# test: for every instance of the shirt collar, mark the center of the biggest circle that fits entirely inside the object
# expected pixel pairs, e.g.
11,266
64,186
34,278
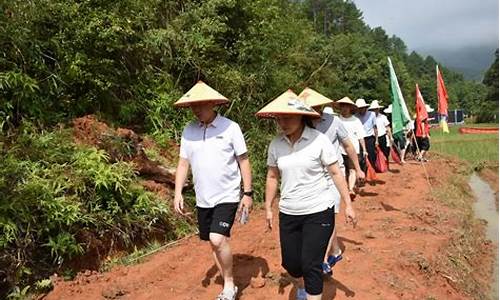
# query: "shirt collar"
214,123
307,134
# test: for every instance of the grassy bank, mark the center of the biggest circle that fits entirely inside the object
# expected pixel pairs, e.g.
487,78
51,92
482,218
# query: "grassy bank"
467,260
477,149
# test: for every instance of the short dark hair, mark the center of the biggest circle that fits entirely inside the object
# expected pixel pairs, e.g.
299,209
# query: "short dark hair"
307,121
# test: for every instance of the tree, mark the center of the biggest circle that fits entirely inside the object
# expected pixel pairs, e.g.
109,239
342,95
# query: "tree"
491,80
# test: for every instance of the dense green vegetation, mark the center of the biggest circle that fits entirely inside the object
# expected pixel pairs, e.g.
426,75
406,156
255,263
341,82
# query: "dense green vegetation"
127,62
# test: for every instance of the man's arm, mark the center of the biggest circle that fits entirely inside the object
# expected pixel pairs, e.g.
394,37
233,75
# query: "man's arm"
246,175
180,180
351,153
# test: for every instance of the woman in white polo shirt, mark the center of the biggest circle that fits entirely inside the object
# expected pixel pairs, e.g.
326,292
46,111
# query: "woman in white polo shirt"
383,128
298,157
356,134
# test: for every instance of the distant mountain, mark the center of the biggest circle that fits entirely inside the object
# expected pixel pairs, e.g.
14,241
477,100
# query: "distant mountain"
472,61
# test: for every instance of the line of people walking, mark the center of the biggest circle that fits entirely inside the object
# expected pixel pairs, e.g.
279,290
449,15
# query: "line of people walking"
314,166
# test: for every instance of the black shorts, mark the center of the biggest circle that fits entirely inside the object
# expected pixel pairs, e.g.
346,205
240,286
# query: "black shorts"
400,141
423,143
218,219
304,239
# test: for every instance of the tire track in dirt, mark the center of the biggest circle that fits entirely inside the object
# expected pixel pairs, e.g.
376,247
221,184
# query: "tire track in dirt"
388,256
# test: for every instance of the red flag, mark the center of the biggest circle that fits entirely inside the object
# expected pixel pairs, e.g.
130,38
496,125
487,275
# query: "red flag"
422,115
442,94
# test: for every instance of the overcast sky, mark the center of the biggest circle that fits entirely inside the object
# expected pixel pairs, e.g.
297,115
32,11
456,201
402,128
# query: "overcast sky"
435,24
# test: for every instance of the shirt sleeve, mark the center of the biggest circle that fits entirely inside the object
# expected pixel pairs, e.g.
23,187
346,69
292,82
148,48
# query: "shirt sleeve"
328,154
342,133
183,153
238,141
361,133
272,160
386,121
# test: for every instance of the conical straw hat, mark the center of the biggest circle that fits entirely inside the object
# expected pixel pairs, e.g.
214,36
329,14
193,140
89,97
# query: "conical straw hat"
313,98
345,100
201,93
287,103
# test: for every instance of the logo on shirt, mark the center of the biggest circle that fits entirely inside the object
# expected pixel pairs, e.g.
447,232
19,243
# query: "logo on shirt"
325,224
223,224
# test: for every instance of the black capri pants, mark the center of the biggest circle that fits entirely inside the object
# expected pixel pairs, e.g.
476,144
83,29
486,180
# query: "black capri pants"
370,148
304,239
382,143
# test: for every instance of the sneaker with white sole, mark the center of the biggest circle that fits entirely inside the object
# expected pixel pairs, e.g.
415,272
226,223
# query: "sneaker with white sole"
231,295
301,294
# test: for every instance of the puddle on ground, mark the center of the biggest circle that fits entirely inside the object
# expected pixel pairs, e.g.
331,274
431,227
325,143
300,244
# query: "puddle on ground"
485,208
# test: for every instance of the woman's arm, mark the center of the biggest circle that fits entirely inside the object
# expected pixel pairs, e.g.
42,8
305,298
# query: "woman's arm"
272,179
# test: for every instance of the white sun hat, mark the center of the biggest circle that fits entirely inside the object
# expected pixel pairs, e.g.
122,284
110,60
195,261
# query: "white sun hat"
361,103
375,105
388,110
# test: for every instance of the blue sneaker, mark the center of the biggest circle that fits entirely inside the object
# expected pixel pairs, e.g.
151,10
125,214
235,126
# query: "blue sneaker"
301,294
332,260
327,270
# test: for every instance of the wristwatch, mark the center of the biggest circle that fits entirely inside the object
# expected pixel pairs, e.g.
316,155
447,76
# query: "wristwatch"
248,193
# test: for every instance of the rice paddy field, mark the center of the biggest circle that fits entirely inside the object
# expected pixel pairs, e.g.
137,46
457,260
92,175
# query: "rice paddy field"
478,149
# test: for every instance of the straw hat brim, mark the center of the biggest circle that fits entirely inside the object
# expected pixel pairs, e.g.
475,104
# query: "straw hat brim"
287,103
273,115
197,102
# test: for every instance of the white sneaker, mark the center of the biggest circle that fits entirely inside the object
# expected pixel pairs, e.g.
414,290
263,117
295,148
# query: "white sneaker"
224,295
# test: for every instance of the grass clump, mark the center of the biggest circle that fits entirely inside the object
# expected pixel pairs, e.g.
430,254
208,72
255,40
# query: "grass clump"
60,201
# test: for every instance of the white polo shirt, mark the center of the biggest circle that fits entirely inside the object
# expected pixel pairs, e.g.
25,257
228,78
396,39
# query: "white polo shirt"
354,129
304,187
212,152
382,123
369,122
332,127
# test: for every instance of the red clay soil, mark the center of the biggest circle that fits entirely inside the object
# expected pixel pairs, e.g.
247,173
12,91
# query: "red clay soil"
389,255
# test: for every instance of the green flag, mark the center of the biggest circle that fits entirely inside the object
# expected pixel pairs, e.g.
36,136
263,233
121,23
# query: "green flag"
400,115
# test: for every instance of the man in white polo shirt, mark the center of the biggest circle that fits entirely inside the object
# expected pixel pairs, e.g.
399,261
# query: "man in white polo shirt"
215,149
368,119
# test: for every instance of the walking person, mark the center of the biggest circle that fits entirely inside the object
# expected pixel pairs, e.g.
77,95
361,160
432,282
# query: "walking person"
422,132
368,120
356,135
214,147
330,125
383,129
297,158
400,141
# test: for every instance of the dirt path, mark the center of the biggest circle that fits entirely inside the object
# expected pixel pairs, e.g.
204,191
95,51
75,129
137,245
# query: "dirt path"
388,256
